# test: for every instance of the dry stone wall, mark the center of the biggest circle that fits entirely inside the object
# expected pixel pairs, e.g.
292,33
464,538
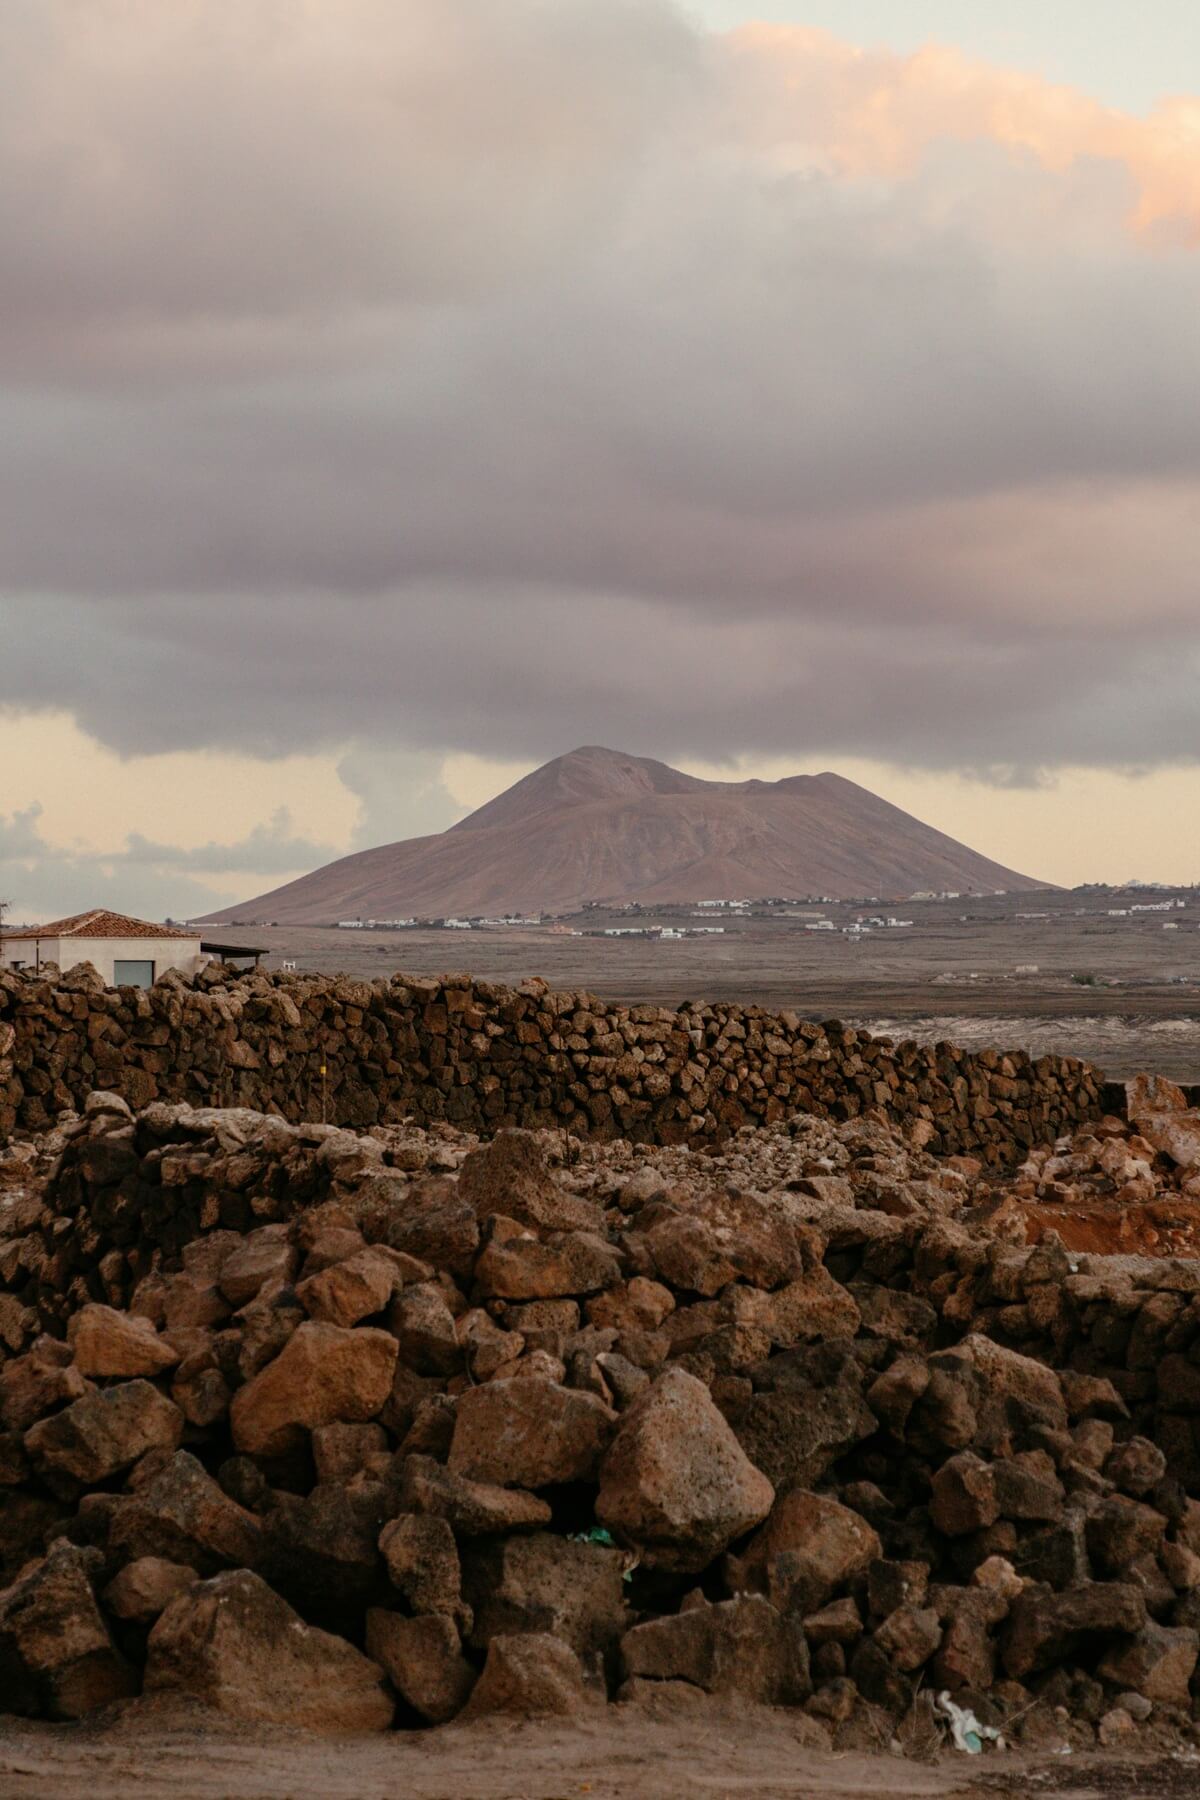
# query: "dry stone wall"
482,1056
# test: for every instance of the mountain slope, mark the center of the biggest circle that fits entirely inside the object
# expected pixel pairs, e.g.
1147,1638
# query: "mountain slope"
600,825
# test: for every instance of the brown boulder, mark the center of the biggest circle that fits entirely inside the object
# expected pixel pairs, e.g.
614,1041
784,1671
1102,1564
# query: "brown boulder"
470,1508
343,1452
795,1435
1146,1095
565,1263
509,1176
547,1583
56,1655
1136,1466
531,1676
687,1252
323,1373
321,1551
963,1496
808,1548
235,1644
909,1636
1158,1663
422,1564
814,1306
423,1660
1045,1627
182,1516
639,1305
265,1259
1000,1393
38,1382
105,1432
105,1343
966,1657
424,1327
345,1292
437,1226
742,1646
529,1433
145,1588
676,1483
1120,1530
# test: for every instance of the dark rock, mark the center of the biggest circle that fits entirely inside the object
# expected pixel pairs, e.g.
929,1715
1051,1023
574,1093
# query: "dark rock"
423,1660
547,1583
235,1644
56,1655
1045,1627
743,1646
676,1484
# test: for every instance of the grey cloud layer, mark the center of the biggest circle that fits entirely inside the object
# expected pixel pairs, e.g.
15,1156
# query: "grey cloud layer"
483,376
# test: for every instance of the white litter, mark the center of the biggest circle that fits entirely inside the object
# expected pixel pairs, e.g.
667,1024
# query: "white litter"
965,1729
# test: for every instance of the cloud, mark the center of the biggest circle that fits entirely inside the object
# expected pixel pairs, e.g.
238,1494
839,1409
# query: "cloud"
40,878
271,848
501,376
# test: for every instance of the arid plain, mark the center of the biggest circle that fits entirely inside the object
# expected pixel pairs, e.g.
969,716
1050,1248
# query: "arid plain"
1053,972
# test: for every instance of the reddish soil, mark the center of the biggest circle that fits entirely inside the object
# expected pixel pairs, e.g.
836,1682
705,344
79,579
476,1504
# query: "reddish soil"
1161,1228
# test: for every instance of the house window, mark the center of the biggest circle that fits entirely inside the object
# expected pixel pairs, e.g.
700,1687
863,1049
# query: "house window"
133,974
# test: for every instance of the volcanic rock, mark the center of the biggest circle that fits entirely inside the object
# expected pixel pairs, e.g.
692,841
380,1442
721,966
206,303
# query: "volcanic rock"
808,1548
509,1176
741,1646
237,1645
531,1676
56,1655
528,1433
323,1373
105,1342
182,1516
423,1660
471,1508
1045,1627
105,1432
547,1583
422,1564
676,1483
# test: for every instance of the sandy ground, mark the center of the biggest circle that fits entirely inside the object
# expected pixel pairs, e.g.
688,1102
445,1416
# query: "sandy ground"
187,1754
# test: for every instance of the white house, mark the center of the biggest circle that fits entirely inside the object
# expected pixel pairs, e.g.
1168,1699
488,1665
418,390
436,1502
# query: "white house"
124,952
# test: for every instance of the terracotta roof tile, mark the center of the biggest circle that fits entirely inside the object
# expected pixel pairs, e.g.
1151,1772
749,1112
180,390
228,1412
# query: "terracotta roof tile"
98,924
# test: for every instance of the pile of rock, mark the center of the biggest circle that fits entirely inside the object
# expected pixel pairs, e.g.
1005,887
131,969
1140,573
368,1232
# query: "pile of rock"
483,1056
1127,1184
347,1431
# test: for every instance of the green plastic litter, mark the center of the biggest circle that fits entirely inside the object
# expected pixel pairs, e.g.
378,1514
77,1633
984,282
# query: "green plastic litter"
597,1535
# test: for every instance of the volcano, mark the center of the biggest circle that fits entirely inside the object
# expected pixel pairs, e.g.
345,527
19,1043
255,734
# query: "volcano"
598,825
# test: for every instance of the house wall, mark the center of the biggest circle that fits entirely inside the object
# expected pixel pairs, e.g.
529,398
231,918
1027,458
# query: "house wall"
25,952
103,953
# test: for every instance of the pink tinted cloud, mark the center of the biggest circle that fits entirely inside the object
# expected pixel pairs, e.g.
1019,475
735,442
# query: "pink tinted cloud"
877,113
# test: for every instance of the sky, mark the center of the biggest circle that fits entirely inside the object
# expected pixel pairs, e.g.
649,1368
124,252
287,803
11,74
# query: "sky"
396,395
1124,54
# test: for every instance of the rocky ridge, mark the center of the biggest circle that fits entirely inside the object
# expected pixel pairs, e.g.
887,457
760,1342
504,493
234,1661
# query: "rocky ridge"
352,1430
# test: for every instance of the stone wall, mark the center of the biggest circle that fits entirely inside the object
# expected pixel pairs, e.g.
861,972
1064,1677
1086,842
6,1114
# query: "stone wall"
483,1056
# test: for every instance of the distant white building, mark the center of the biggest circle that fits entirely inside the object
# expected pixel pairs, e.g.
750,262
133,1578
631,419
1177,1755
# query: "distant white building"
124,952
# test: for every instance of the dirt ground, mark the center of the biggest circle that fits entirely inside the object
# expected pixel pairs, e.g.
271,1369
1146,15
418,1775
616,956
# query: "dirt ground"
1119,991
185,1753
